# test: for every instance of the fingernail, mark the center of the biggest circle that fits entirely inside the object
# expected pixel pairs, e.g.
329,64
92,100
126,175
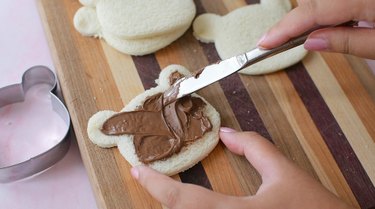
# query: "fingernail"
134,172
318,44
227,130
261,40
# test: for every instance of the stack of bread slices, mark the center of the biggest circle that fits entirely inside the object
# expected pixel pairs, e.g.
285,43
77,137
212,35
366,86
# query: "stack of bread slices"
135,27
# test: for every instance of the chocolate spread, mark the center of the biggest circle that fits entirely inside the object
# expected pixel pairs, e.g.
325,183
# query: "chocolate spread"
175,76
161,130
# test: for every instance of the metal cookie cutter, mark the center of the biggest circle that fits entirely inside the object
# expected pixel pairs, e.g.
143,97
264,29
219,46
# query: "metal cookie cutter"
16,93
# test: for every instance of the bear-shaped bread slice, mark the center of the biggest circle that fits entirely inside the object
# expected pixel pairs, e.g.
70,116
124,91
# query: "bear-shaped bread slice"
142,46
135,27
240,30
129,19
189,155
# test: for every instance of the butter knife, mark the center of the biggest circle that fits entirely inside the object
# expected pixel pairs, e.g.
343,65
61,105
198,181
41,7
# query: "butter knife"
224,68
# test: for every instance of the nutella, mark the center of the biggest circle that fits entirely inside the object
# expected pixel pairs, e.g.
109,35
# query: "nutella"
175,76
161,130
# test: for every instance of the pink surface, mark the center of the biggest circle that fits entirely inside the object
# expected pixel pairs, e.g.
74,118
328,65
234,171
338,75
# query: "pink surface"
29,127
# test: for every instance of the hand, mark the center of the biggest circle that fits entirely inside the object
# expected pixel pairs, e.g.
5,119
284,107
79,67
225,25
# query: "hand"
309,13
284,184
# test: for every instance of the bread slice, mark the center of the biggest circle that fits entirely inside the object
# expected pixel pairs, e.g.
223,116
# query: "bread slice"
143,46
239,31
186,158
129,19
135,27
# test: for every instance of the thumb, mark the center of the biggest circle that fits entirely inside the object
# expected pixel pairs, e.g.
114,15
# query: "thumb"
174,194
260,152
355,41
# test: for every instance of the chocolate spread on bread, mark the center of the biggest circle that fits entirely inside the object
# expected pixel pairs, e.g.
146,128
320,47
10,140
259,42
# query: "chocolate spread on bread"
175,76
161,130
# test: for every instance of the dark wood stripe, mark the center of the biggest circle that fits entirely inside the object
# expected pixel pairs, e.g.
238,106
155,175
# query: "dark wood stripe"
237,96
242,105
350,166
199,7
252,1
196,175
148,69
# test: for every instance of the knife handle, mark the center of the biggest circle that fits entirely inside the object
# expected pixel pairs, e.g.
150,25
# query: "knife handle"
258,54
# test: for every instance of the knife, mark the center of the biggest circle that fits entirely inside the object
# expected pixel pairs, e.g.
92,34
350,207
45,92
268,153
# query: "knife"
224,68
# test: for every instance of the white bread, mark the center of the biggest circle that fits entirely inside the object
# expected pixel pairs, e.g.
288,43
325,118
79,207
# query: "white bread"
141,46
135,27
131,19
86,22
186,158
239,31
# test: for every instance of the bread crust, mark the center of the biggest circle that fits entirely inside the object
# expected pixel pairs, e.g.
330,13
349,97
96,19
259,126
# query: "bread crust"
143,46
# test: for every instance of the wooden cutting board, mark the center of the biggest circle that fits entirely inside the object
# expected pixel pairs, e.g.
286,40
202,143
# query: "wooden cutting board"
320,112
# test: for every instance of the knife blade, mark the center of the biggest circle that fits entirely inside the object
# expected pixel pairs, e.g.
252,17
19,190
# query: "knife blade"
224,68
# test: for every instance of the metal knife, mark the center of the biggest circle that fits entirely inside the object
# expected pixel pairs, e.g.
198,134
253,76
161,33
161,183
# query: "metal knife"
224,68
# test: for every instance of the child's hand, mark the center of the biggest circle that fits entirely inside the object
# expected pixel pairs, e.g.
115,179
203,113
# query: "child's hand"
310,13
284,185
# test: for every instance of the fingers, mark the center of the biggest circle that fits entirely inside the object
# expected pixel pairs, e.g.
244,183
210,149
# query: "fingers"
261,153
358,41
311,13
292,25
175,194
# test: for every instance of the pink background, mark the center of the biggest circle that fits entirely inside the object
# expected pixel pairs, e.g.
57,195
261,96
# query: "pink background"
22,45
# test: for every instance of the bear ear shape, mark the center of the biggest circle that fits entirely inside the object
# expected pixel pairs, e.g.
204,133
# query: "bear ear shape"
283,5
86,22
163,81
205,27
94,127
89,3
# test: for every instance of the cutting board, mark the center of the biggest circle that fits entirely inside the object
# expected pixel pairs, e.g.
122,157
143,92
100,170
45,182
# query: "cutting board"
320,112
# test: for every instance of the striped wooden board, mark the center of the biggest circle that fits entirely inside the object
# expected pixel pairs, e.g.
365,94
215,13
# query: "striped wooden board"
320,112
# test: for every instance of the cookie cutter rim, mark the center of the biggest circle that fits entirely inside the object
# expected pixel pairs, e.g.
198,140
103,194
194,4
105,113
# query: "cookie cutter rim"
16,93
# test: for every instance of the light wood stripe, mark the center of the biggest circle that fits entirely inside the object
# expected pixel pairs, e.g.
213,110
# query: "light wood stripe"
234,4
100,82
308,135
139,196
227,182
282,133
365,107
122,66
217,8
345,114
364,74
